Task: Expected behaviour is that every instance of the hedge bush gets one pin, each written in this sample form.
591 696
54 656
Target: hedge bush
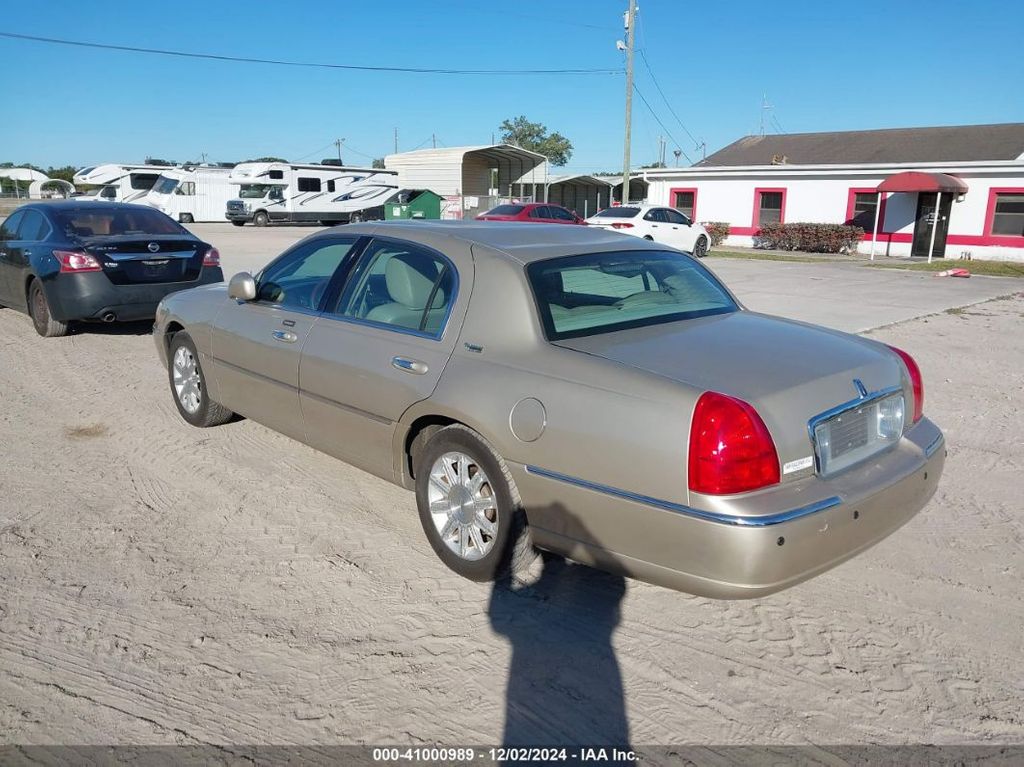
717 231
811 238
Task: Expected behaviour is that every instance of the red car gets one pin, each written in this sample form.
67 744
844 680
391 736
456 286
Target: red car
532 212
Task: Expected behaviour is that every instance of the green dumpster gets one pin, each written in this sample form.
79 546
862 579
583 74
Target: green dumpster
413 203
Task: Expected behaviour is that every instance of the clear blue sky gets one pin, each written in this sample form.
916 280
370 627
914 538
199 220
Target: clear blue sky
823 65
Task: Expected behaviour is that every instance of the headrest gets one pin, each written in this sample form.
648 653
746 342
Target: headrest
410 277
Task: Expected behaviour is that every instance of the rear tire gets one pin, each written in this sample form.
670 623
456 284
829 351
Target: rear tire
478 529
648 238
186 218
39 311
260 218
700 248
188 385
238 223
355 218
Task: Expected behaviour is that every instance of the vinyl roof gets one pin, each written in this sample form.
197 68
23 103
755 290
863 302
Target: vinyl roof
961 143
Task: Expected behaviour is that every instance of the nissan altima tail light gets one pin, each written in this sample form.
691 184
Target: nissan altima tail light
916 382
622 225
212 257
76 261
731 450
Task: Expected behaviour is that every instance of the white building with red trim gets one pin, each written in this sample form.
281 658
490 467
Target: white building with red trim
889 182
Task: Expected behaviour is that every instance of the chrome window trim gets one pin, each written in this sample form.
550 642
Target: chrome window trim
866 399
708 516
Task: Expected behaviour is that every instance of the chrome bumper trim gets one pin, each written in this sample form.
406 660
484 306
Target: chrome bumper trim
709 516
935 445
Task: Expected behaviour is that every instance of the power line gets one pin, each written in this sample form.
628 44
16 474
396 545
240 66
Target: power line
665 98
658 119
318 65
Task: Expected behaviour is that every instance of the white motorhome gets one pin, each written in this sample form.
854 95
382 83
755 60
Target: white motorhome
118 183
192 193
283 192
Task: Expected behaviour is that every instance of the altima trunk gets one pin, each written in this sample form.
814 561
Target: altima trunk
789 371
135 259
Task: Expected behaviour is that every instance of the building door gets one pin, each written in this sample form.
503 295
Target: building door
926 219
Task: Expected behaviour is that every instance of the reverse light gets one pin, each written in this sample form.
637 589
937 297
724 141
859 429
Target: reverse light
76 261
916 381
212 257
622 225
731 450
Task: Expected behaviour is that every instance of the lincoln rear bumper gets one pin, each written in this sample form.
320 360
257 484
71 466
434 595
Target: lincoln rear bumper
733 552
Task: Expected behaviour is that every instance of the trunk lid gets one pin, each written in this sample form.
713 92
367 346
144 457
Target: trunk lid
143 259
789 371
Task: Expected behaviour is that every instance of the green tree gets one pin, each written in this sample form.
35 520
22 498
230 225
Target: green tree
67 173
520 132
378 162
267 159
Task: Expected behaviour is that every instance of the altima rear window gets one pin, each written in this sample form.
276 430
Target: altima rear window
600 293
100 221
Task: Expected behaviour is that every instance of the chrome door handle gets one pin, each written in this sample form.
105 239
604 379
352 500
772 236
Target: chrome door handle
409 366
284 335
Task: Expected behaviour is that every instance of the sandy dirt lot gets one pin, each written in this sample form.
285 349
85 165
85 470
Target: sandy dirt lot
163 584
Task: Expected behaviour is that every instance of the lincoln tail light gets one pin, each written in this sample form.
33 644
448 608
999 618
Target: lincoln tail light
212 257
916 382
622 225
731 450
76 261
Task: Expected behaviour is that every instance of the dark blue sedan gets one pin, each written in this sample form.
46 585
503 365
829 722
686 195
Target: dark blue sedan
66 261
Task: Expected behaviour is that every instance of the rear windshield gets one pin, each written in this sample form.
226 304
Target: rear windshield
620 212
604 292
100 221
505 210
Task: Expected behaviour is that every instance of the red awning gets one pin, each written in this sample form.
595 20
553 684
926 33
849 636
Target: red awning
914 181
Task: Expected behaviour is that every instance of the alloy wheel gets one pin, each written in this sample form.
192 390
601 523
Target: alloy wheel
188 385
462 505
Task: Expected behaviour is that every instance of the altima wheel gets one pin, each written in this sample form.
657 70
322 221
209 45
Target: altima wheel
39 311
469 506
189 387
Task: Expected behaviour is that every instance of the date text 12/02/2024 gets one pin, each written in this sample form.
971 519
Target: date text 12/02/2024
595 755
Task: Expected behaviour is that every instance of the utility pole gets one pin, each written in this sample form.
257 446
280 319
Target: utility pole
396 140
661 151
765 106
677 152
338 142
433 140
630 37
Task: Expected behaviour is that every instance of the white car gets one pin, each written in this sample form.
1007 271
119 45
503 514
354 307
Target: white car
653 222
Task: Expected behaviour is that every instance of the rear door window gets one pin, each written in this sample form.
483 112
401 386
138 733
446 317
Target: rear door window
33 226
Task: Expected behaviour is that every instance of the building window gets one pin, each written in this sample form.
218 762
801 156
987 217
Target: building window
685 201
1008 216
769 207
863 214
308 184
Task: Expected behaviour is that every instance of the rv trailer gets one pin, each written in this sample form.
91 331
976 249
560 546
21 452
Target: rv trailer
118 183
192 193
277 192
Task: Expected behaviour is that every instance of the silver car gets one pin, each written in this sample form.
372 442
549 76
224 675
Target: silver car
566 389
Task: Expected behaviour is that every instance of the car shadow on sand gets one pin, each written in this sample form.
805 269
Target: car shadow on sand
564 682
136 328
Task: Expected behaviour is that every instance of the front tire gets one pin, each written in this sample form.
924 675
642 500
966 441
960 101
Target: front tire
700 248
260 218
39 311
238 223
186 218
470 508
188 385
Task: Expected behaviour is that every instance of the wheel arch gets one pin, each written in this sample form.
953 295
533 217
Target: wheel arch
416 427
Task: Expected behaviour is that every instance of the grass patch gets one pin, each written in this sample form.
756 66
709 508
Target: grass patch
987 268
755 255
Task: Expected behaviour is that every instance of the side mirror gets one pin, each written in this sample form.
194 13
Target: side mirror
242 287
